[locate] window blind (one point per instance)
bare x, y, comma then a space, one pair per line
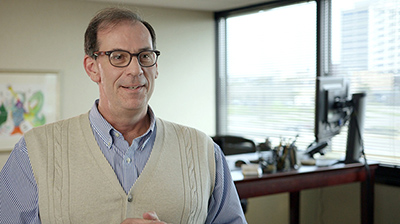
266, 75
365, 45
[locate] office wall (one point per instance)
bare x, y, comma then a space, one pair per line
44, 35
47, 35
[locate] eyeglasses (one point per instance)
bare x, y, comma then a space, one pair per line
121, 58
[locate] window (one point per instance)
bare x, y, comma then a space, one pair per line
267, 74
365, 49
268, 64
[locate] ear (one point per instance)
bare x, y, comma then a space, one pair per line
91, 68
156, 70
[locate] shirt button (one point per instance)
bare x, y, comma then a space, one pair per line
130, 198
117, 134
128, 160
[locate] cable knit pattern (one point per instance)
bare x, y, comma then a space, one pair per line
57, 170
191, 173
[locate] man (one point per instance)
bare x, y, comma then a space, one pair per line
118, 162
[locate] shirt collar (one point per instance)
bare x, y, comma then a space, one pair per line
104, 129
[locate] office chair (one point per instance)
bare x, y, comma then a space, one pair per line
231, 145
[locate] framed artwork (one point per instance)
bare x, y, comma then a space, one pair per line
27, 100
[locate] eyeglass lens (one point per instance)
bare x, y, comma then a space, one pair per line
122, 58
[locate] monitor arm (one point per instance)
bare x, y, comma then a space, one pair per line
316, 147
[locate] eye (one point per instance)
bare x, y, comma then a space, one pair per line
119, 56
146, 56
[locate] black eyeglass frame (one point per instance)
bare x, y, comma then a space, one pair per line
108, 53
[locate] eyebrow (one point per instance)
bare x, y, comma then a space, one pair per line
140, 50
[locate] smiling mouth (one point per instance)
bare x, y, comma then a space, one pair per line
133, 87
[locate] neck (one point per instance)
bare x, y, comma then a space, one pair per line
131, 124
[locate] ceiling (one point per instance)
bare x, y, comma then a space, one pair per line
206, 5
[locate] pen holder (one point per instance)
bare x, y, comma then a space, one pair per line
288, 159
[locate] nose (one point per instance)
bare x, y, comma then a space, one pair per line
134, 67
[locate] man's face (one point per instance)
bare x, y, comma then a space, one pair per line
128, 88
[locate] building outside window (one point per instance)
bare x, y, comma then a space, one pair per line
365, 48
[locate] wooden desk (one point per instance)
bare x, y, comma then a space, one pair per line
307, 177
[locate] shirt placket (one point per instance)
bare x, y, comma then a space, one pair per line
130, 170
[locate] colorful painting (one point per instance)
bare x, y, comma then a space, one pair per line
27, 100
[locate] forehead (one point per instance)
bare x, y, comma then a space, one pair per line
127, 35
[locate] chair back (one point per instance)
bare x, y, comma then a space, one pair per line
232, 145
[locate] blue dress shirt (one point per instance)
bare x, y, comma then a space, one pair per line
18, 188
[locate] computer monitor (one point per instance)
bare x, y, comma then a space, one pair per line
355, 147
333, 109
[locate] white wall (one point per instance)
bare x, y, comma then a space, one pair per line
48, 36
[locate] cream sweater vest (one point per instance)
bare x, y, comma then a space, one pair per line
76, 184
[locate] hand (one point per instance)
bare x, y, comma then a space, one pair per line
148, 217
